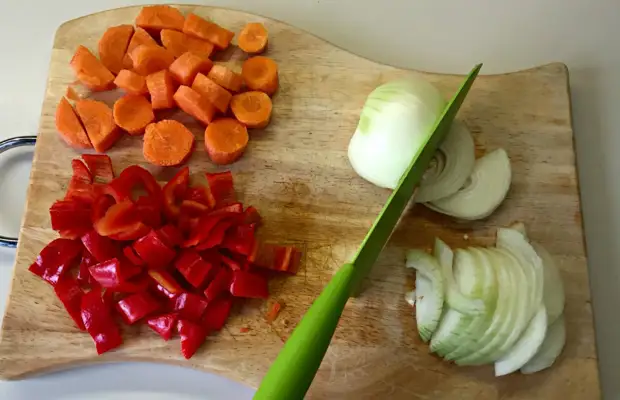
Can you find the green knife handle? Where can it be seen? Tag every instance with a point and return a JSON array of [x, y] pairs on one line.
[[290, 376]]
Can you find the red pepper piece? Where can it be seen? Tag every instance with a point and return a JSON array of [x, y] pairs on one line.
[[194, 269], [80, 186], [200, 194], [119, 218], [216, 237], [204, 228], [132, 232], [70, 215], [219, 285], [153, 251], [81, 172], [70, 295], [251, 216], [276, 258], [170, 235], [59, 256], [149, 210], [101, 247], [190, 306], [165, 284], [131, 255], [231, 263], [273, 312], [99, 323], [137, 306], [192, 337], [163, 324], [247, 284], [100, 166], [222, 188], [138, 283], [240, 239], [115, 189], [100, 207], [111, 273], [174, 191], [193, 208], [83, 276], [236, 208], [217, 313]]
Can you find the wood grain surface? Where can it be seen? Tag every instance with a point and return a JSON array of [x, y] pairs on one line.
[[297, 174]]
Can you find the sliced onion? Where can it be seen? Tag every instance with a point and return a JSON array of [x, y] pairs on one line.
[[450, 167], [550, 348]]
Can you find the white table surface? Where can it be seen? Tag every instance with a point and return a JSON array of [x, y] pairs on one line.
[[433, 35]]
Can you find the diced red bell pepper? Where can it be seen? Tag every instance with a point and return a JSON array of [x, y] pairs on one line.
[[231, 263], [70, 294], [99, 323], [101, 206], [174, 191], [101, 247], [81, 172], [219, 285], [251, 216], [100, 166], [133, 178], [80, 186], [247, 284], [200, 194], [163, 324], [72, 215], [222, 188], [153, 251], [149, 210], [165, 284], [240, 239], [170, 235], [194, 269], [115, 190], [216, 237], [58, 257], [119, 218], [136, 284], [273, 312], [217, 313], [205, 227], [111, 273], [132, 232], [83, 276], [190, 306], [193, 208], [236, 208], [131, 255], [137, 306], [276, 258], [192, 337]]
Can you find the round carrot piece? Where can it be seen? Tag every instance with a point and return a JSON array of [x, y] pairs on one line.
[[260, 73], [113, 45], [253, 38], [253, 109], [69, 126], [167, 143], [133, 113], [148, 59], [225, 140]]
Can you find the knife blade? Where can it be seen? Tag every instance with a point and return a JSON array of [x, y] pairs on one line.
[[291, 374]]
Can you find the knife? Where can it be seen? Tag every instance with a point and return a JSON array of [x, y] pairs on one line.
[[291, 374]]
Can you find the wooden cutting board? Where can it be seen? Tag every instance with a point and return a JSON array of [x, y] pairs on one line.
[[297, 174]]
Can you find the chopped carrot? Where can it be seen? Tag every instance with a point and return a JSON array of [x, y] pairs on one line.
[[131, 82], [167, 143], [194, 104], [99, 123], [260, 73], [71, 94], [160, 17], [161, 87], [253, 109], [253, 38], [217, 95], [90, 71], [178, 43], [113, 46], [140, 36], [185, 68], [203, 29], [226, 78], [149, 59], [69, 126], [225, 140], [133, 113], [273, 312]]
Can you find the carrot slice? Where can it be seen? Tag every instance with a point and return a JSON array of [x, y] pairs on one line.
[[99, 123], [225, 140], [161, 87], [149, 59], [131, 82], [217, 95], [160, 17], [253, 109], [90, 71], [226, 78], [178, 43], [253, 38], [69, 126], [185, 68], [260, 73], [71, 94], [203, 29], [194, 104], [140, 36], [133, 113], [113, 46], [167, 143]]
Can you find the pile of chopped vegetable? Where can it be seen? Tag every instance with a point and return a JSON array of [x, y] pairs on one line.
[[161, 64], [174, 257]]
